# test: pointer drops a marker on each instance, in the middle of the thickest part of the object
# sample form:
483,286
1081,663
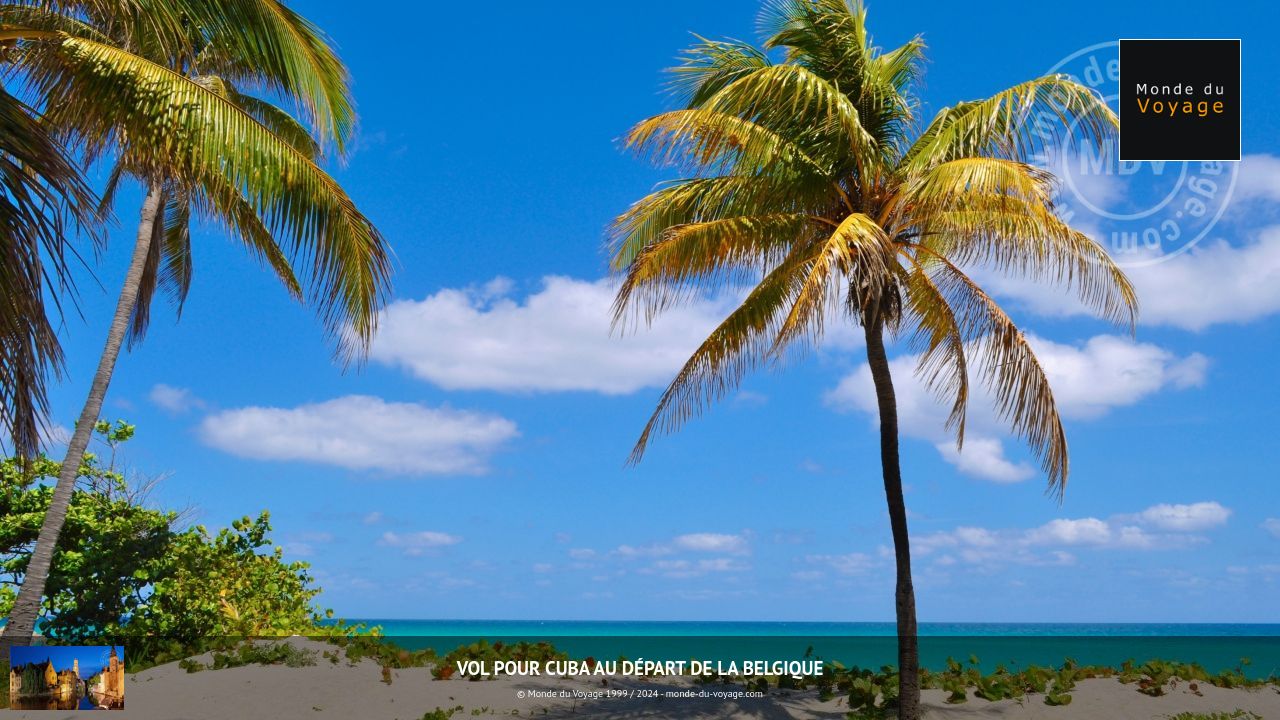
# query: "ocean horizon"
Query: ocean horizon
784,628
1251,648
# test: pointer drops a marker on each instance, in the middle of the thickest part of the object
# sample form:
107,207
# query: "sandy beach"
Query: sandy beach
344,690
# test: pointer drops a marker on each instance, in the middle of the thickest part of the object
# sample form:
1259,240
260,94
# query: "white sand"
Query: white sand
327,691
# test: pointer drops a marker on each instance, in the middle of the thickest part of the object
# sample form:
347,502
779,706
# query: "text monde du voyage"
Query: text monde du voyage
1179,99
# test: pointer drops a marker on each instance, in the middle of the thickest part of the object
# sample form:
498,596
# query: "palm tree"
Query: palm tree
810,181
154,86
41,189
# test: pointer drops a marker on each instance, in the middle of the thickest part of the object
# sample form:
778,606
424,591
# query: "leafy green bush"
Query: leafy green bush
255,653
127,574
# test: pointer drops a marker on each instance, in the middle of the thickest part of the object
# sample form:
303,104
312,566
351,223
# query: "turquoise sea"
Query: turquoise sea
1254,648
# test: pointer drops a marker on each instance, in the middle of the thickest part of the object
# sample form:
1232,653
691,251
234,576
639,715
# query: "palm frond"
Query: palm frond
1000,214
701,140
171,126
43,202
943,366
711,65
733,349
1009,369
1020,123
263,43
857,252
707,257
169,265
699,200
804,107
284,125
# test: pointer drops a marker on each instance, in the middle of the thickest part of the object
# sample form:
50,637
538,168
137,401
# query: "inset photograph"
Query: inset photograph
66,677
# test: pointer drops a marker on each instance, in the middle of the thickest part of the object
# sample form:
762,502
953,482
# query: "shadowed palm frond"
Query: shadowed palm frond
44,201
1009,369
943,367
734,348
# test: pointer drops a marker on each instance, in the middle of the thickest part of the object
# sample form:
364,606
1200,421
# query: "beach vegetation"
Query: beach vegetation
871,694
441,713
254,653
809,184
129,573
1233,715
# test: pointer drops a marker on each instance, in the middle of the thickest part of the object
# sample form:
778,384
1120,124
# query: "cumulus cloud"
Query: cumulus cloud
694,568
704,542
1193,517
174,400
1258,179
712,542
363,433
416,543
1272,525
848,564
1159,527
557,339
678,557
1088,380
1237,284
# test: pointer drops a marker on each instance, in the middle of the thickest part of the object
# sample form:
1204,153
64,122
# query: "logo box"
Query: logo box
1180,100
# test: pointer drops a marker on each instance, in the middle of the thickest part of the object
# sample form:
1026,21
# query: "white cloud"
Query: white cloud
1196,516
695,568
631,551
1258,179
1159,527
703,542
712,542
1213,283
1272,525
1088,380
1085,531
372,518
556,339
984,457
416,543
174,400
848,564
363,433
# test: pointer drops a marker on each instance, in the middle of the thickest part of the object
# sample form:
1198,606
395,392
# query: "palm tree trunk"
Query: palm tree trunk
904,596
26,607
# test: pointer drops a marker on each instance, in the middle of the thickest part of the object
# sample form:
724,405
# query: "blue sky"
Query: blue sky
475,467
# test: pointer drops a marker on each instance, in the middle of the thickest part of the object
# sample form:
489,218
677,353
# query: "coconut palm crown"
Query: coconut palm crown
811,180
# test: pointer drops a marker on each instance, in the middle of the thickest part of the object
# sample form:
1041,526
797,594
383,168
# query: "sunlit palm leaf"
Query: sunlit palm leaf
1020,123
708,256
172,126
